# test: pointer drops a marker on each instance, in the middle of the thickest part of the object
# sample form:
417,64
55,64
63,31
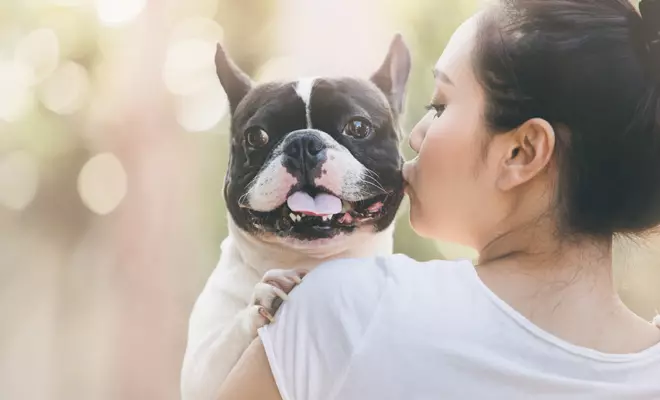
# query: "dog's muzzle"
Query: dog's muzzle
304,152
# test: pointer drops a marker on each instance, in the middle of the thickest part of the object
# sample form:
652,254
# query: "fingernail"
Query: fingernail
281,294
266,315
296,279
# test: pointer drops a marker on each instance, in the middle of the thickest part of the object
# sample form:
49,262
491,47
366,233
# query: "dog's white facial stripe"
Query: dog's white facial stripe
304,90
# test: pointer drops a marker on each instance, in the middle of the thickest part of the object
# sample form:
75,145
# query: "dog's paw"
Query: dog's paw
273,289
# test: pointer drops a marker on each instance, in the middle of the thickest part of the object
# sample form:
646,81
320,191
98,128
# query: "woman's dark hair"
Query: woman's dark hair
591,69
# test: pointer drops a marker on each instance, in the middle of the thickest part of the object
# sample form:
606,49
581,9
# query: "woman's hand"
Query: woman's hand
273,289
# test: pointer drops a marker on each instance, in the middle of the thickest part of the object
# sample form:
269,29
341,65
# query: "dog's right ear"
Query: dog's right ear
235,82
392,76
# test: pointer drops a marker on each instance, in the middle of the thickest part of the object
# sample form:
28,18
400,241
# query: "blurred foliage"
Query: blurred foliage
250,31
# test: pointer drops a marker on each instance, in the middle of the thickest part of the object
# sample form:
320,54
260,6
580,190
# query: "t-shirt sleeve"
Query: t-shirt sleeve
318,330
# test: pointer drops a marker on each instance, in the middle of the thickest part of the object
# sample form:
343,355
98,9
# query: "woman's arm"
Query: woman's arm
306,352
251,378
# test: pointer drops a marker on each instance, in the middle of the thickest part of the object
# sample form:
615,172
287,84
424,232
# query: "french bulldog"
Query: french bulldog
314,174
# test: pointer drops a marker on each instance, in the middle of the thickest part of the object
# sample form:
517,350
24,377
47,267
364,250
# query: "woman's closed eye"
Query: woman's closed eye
439,109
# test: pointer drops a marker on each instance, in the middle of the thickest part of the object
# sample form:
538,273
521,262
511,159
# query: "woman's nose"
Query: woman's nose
416,138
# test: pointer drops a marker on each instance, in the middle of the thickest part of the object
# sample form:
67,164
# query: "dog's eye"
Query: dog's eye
358,128
256,137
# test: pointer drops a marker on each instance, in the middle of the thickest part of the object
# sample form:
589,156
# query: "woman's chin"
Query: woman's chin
418,223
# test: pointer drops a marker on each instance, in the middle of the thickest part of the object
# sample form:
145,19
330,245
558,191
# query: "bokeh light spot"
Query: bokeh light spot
118,12
202,110
66,90
19,180
102,183
38,54
16,97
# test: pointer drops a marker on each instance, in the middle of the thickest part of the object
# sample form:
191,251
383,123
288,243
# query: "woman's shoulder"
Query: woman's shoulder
388,265
329,316
346,295
360,275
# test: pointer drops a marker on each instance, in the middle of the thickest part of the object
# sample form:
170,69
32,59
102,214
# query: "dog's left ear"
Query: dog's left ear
392,76
235,82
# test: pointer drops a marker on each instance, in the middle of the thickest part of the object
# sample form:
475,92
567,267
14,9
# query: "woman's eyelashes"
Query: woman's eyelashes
439,109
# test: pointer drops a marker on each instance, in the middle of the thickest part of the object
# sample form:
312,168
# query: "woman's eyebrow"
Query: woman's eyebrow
442,76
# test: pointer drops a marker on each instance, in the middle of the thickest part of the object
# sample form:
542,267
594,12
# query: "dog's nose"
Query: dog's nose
304,153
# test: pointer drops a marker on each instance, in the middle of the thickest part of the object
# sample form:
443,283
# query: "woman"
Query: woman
541,143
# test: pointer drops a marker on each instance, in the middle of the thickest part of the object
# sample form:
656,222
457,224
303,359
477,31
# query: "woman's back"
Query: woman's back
389,328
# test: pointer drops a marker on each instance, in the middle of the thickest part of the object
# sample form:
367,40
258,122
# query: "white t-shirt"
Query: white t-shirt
394,328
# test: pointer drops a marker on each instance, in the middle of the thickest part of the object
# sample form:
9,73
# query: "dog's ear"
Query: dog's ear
235,82
392,76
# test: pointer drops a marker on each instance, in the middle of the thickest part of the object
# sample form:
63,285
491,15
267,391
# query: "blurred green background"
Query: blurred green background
113,145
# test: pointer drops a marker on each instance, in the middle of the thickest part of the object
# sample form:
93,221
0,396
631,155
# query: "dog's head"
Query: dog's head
315,158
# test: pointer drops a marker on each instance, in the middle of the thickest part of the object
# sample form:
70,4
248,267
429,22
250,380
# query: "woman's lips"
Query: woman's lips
407,176
407,171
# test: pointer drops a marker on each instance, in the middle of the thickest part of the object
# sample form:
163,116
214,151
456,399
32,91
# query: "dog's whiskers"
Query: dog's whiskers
242,200
374,183
374,173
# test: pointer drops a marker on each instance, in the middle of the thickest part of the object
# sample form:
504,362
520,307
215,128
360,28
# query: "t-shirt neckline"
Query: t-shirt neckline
585,352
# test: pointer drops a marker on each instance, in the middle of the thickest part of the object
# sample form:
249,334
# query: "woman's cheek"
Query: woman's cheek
434,160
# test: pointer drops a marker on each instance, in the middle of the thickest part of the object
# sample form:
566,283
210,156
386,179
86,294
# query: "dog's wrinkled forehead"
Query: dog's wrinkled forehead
312,103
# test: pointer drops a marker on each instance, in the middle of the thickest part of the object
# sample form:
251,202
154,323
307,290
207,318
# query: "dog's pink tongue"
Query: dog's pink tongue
323,204
301,202
327,204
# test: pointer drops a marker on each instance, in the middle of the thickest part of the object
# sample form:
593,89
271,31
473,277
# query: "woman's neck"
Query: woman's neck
565,286
536,249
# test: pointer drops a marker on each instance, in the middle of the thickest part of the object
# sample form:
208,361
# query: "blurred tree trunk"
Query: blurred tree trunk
154,247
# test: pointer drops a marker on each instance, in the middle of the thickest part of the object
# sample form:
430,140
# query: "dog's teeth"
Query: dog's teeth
326,218
293,217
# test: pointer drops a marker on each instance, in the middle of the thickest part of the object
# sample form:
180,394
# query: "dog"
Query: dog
314,174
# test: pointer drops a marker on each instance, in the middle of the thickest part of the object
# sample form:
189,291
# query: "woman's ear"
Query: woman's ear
529,149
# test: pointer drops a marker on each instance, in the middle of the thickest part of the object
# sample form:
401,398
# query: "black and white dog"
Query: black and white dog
314,174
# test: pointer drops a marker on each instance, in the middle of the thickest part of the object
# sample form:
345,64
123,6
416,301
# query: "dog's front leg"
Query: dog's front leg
222,325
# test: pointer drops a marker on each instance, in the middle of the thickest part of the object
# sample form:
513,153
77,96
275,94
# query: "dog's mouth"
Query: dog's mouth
323,215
